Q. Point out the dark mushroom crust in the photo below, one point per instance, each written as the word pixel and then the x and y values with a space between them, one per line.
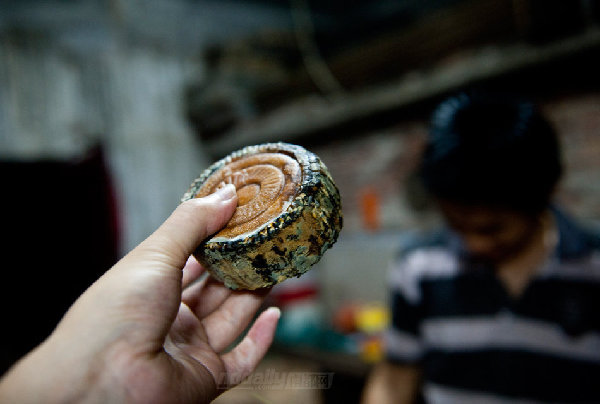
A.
pixel 289 213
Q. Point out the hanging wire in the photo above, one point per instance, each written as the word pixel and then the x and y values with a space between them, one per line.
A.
pixel 314 63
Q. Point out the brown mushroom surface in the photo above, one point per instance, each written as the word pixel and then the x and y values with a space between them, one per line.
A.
pixel 288 214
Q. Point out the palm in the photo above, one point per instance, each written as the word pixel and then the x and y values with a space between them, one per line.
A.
pixel 194 353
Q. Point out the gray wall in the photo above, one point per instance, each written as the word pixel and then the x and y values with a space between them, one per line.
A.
pixel 74 74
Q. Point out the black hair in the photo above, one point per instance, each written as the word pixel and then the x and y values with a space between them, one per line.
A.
pixel 487 149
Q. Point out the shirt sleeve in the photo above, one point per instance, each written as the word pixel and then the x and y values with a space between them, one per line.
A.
pixel 402 339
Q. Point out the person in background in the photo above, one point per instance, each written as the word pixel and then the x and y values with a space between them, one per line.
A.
pixel 150 330
pixel 504 305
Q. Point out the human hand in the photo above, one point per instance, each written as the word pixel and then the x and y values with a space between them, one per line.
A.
pixel 148 331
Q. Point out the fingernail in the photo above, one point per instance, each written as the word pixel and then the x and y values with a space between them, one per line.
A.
pixel 275 309
pixel 226 193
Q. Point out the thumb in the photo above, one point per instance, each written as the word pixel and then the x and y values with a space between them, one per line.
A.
pixel 189 224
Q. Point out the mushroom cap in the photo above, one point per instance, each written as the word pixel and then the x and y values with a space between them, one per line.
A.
pixel 289 213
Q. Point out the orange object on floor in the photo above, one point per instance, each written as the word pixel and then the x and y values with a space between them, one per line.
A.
pixel 369 204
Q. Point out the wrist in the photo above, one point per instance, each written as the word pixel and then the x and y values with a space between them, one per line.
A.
pixel 22 383
pixel 51 374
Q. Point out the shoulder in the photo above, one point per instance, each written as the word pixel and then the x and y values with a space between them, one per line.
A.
pixel 578 251
pixel 576 240
pixel 426 257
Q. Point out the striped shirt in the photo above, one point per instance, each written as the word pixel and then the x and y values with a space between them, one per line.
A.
pixel 477 344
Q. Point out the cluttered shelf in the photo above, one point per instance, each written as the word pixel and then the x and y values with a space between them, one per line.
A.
pixel 348 341
pixel 312 115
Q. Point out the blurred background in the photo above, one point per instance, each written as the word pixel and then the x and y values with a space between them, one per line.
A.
pixel 109 109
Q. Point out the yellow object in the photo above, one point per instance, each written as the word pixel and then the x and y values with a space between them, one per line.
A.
pixel 372 319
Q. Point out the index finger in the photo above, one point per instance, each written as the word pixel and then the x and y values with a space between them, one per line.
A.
pixel 192 271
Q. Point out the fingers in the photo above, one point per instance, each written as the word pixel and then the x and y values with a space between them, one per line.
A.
pixel 227 322
pixel 187 328
pixel 205 296
pixel 191 222
pixel 151 276
pixel 191 272
pixel 189 336
pixel 242 360
pixel 224 313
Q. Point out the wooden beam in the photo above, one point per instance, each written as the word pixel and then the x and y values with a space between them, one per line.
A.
pixel 313 114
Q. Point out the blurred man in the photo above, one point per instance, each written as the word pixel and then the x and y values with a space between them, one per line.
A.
pixel 504 306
